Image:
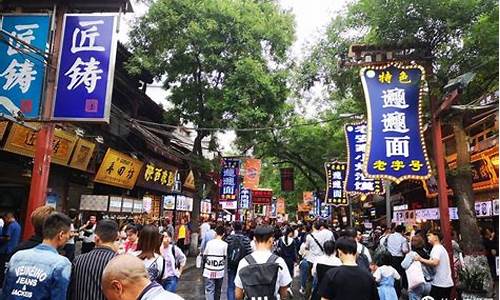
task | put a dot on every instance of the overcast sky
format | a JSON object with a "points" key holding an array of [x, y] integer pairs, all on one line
{"points": [[311, 17]]}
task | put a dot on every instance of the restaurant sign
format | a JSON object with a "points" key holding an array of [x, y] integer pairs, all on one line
{"points": [[157, 176], [118, 169]]}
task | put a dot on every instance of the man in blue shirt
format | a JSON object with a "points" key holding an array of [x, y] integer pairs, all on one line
{"points": [[11, 235], [40, 272]]}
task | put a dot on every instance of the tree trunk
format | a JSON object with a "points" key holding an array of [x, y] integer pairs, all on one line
{"points": [[461, 184], [198, 183]]}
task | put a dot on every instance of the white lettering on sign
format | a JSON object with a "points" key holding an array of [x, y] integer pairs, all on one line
{"points": [[397, 146], [394, 122], [21, 74], [84, 39], [394, 98], [84, 72], [24, 33]]}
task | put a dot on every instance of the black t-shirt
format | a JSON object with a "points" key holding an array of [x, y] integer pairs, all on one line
{"points": [[348, 282]]}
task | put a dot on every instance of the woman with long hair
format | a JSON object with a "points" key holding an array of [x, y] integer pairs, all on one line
{"points": [[148, 250], [287, 250]]}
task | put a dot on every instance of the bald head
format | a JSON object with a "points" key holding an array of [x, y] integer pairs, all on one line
{"points": [[124, 277]]}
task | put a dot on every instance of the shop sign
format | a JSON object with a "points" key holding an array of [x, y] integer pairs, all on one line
{"points": [[229, 204], [118, 169], [430, 187], [274, 208], [157, 176], [287, 179], [169, 202], [495, 208], [393, 94], [147, 203], [22, 140], [184, 203], [94, 202], [453, 213], [335, 178], [229, 179], [280, 206], [22, 72], [400, 207], [262, 196], [86, 68], [356, 182], [128, 205], [189, 182], [206, 206], [245, 198], [3, 128], [252, 173], [115, 203], [82, 155], [138, 207], [483, 209], [325, 211]]}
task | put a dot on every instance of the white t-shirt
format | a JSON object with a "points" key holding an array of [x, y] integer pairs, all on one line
{"points": [[71, 229], [386, 271], [204, 228], [442, 278], [314, 250], [91, 237], [261, 257], [215, 258], [326, 260], [153, 265]]}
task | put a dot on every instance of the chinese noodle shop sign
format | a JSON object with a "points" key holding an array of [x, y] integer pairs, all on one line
{"points": [[395, 147], [86, 68], [118, 169], [335, 180], [157, 176]]}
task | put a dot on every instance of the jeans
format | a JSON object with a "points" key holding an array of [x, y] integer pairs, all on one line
{"points": [[303, 267], [213, 288], [419, 291], [170, 284], [231, 274]]}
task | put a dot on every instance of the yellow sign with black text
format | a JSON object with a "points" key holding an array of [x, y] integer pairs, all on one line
{"points": [[118, 169]]}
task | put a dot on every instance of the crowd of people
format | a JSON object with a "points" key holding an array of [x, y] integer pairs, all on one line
{"points": [[145, 260]]}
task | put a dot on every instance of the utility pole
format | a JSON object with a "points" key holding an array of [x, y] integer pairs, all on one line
{"points": [[43, 151]]}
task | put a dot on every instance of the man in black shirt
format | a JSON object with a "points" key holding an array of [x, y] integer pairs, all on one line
{"points": [[88, 268], [348, 281]]}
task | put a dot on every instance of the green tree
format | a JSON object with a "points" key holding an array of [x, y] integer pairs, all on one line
{"points": [[222, 61], [459, 36]]}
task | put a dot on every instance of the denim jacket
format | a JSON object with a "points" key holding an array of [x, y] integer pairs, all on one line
{"points": [[39, 273]]}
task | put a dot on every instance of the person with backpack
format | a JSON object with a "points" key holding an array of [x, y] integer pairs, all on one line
{"points": [[363, 257], [214, 256], [262, 274], [175, 260], [148, 250], [348, 281], [323, 264], [286, 249], [238, 247]]}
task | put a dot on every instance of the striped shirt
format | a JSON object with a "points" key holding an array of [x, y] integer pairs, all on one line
{"points": [[87, 272]]}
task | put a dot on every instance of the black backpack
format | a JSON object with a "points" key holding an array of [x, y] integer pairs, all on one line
{"points": [[362, 259], [235, 252], [259, 280]]}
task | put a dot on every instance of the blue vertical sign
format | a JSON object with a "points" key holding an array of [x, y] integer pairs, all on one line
{"points": [[393, 97], [86, 68], [356, 182], [245, 198], [335, 177], [229, 179], [22, 70]]}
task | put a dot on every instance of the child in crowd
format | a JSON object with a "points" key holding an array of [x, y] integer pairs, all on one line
{"points": [[385, 275]]}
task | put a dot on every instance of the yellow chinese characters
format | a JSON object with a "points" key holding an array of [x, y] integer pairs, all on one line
{"points": [[397, 165], [416, 165], [385, 77], [404, 78], [379, 165], [149, 172]]}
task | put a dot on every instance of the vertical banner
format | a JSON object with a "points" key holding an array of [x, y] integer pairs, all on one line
{"points": [[245, 198], [280, 206], [22, 70], [86, 68], [335, 177], [229, 179], [252, 173], [287, 180], [356, 182], [393, 97]]}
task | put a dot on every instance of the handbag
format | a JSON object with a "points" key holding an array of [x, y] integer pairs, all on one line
{"points": [[415, 275]]}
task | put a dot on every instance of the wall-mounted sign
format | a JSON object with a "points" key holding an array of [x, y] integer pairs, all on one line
{"points": [[22, 70], [335, 177], [22, 140], [280, 206], [229, 204], [169, 202], [252, 173], [356, 182], [245, 198], [495, 207], [483, 209], [127, 205], [262, 196], [137, 206], [184, 203], [94, 202], [86, 68], [115, 203], [189, 182], [206, 206], [157, 176], [147, 203], [395, 147], [118, 169], [82, 154]]}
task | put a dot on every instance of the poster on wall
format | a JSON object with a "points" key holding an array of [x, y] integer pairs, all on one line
{"points": [[483, 209], [115, 203]]}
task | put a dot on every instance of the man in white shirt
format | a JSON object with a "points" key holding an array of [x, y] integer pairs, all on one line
{"points": [[204, 227], [263, 237], [440, 261], [397, 245], [214, 256]]}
